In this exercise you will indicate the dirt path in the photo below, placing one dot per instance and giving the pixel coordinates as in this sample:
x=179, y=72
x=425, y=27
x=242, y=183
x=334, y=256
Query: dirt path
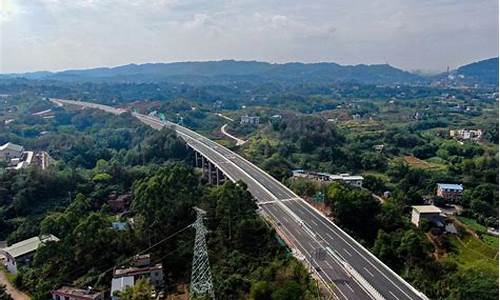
x=15, y=293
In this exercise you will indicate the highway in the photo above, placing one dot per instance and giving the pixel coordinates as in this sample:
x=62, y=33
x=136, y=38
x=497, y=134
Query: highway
x=342, y=264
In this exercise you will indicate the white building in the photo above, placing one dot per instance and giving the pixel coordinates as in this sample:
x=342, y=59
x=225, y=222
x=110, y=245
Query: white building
x=356, y=181
x=10, y=151
x=467, y=134
x=246, y=120
x=140, y=267
x=429, y=212
x=22, y=252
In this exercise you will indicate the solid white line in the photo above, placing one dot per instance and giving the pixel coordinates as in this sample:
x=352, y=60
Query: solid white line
x=297, y=244
x=347, y=251
x=393, y=294
x=353, y=248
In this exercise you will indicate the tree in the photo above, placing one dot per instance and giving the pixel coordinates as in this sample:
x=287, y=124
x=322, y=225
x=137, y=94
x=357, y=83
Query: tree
x=474, y=284
x=3, y=293
x=350, y=205
x=165, y=200
x=140, y=291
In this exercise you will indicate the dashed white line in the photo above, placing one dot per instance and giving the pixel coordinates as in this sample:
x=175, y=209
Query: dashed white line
x=368, y=271
x=345, y=250
x=347, y=284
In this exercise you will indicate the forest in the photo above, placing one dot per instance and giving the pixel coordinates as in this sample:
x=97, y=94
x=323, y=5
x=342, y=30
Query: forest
x=397, y=138
x=97, y=155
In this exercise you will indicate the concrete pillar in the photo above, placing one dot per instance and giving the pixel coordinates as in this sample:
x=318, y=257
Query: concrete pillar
x=210, y=173
x=217, y=176
x=203, y=170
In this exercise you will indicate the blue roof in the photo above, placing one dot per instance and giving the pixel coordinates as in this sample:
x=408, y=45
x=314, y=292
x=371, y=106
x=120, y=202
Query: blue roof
x=450, y=186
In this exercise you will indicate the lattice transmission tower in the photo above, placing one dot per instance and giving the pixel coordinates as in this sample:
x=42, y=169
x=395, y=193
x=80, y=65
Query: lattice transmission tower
x=201, y=277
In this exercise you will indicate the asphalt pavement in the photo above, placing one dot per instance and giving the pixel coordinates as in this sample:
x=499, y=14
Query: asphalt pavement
x=344, y=265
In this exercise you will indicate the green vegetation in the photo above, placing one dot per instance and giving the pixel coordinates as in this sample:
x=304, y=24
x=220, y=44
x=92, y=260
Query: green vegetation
x=98, y=155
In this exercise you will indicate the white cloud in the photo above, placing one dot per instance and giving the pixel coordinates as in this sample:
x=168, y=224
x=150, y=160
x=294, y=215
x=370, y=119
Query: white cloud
x=60, y=34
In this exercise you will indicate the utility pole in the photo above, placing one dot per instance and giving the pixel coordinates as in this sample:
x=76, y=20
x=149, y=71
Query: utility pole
x=201, y=276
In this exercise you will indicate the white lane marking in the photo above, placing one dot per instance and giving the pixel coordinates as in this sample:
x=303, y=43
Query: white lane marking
x=314, y=222
x=297, y=244
x=304, y=206
x=371, y=274
x=347, y=251
x=329, y=235
x=393, y=294
x=347, y=284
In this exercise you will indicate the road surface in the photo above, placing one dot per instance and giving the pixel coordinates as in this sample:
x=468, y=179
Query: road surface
x=346, y=267
x=239, y=141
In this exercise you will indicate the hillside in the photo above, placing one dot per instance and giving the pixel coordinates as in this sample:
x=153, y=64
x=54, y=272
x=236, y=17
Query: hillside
x=218, y=71
x=484, y=71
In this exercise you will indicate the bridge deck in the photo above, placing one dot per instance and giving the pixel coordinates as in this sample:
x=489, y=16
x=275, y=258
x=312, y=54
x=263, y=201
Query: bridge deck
x=347, y=267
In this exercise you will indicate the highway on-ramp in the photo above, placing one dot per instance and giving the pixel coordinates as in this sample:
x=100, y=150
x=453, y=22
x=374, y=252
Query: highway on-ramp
x=344, y=266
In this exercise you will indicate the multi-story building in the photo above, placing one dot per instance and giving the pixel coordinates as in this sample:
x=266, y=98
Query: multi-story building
x=247, y=120
x=10, y=151
x=430, y=213
x=140, y=267
x=466, y=134
x=449, y=191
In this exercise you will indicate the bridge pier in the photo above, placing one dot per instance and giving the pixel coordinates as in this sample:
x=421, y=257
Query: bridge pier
x=209, y=171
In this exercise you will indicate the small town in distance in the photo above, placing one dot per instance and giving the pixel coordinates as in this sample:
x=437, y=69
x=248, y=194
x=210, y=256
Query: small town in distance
x=249, y=150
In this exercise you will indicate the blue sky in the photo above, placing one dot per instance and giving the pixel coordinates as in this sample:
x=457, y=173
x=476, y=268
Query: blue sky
x=410, y=34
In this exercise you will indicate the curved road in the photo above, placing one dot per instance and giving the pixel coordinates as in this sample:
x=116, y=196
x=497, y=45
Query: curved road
x=342, y=264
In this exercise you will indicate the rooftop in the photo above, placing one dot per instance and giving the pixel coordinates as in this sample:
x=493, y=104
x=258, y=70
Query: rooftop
x=77, y=293
x=29, y=245
x=132, y=271
x=450, y=186
x=11, y=146
x=427, y=209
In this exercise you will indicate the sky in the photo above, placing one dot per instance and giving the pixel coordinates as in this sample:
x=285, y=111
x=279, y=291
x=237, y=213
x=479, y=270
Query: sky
x=426, y=35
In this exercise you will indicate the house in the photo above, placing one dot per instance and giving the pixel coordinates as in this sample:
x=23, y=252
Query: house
x=71, y=293
x=140, y=267
x=449, y=191
x=467, y=134
x=356, y=181
x=246, y=120
x=22, y=252
x=9, y=151
x=430, y=213
x=119, y=203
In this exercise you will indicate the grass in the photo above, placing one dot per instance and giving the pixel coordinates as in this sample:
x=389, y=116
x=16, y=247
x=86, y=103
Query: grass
x=490, y=240
x=422, y=164
x=473, y=224
x=10, y=277
x=471, y=252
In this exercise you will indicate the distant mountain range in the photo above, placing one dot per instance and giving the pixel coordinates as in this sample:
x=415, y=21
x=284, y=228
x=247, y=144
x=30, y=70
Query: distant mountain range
x=484, y=72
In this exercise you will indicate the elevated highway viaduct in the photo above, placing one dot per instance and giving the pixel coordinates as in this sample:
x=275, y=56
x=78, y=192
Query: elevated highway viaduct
x=345, y=267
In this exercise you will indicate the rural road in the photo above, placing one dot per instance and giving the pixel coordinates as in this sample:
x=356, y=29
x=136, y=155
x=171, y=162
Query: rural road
x=238, y=141
x=15, y=293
